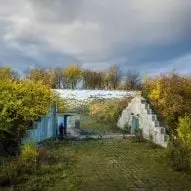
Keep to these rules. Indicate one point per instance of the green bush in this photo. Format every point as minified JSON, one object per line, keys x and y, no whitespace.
{"x":29,"y":153}
{"x":184,"y":130}
{"x":179,"y":156}
{"x":170,"y":96}
{"x":21,"y":103}
{"x":179,"y":152}
{"x":14,"y":171}
{"x":8,"y":173}
{"x":32,"y":170}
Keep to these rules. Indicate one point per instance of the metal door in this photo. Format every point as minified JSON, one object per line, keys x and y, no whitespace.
{"x":135,"y":125}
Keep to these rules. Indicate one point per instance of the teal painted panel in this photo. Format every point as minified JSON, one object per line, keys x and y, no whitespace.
{"x":137,"y":123}
{"x":43,"y":129}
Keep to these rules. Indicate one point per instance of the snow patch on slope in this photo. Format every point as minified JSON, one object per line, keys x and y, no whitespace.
{"x":85,"y":95}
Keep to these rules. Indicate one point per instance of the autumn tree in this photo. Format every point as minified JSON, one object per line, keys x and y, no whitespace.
{"x":132,"y":80}
{"x":98,"y":78}
{"x":113,"y":77}
{"x":7,"y":73}
{"x":170,"y":95}
{"x":21,"y":103}
{"x":59,"y":78}
{"x":72,"y":76}
{"x":47,"y":77}
{"x":93,"y":79}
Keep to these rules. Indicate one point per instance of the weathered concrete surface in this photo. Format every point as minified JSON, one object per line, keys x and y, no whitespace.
{"x":141,"y":111}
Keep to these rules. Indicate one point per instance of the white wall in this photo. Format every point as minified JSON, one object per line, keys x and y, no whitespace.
{"x":147,"y":121}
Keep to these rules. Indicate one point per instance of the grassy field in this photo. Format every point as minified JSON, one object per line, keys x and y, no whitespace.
{"x":115,"y":165}
{"x":103,"y":165}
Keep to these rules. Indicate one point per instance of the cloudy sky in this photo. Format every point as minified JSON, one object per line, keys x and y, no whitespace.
{"x":150,"y":36}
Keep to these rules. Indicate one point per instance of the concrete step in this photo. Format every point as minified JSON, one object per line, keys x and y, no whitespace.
{"x":157,"y":124}
{"x":154,"y":117}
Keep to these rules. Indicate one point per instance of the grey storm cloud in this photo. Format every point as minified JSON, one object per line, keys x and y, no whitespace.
{"x":147,"y":35}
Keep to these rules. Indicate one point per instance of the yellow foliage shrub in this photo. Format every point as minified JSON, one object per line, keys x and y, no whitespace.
{"x":29,"y":153}
{"x":108,"y":111}
{"x":170,"y":95}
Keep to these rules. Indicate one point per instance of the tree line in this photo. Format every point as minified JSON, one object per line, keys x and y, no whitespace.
{"x":113,"y":78}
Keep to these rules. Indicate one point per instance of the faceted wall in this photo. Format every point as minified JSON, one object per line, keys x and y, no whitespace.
{"x":148,"y":123}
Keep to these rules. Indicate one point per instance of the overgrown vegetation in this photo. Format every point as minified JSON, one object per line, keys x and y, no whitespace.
{"x":87,"y":124}
{"x":15,"y":169}
{"x":21,"y":103}
{"x":35,"y":169}
{"x":170,"y":95}
{"x":184,"y":130}
{"x":180,"y":149}
{"x":178,"y":156}
{"x":108,"y":111}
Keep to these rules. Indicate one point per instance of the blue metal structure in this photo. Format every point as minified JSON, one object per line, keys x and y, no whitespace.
{"x":43,"y":129}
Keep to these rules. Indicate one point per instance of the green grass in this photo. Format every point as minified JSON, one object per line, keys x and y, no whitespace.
{"x":103,"y":165}
{"x":113,"y":165}
{"x":117,"y":165}
{"x":88,"y":124}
